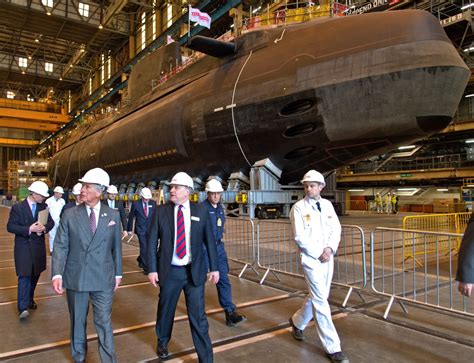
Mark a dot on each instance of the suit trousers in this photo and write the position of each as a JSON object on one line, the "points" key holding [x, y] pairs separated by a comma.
{"points": [[319, 277], [179, 278], [224, 288], [78, 302], [26, 290], [142, 240]]}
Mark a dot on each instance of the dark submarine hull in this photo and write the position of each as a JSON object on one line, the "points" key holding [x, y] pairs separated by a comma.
{"points": [[314, 95]]}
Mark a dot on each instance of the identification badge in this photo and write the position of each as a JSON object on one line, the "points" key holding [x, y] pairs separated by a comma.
{"points": [[219, 222], [307, 218], [197, 219]]}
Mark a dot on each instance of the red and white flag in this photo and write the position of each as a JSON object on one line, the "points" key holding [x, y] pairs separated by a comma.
{"points": [[201, 18]]}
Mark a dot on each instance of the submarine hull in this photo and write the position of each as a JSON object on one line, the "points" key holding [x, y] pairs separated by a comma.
{"points": [[314, 95]]}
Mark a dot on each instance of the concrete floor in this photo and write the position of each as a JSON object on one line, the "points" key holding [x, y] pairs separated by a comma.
{"points": [[422, 335]]}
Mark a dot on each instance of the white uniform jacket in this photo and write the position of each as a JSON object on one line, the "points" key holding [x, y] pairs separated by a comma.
{"points": [[55, 208], [314, 230]]}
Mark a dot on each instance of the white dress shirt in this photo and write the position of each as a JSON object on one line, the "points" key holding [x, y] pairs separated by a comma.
{"points": [[176, 261], [96, 209]]}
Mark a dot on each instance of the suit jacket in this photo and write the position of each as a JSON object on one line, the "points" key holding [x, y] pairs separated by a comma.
{"points": [[160, 254], [466, 255], [120, 208], [88, 262], [142, 223], [29, 250], [67, 206]]}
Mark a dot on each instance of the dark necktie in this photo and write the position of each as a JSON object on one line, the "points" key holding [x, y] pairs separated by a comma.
{"points": [[318, 205], [92, 222], [180, 234], [145, 209], [33, 209]]}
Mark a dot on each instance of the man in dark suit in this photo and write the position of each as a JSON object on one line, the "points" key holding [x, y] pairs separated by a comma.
{"points": [[87, 262], [142, 211], [76, 191], [178, 264], [465, 273], [29, 251], [117, 205]]}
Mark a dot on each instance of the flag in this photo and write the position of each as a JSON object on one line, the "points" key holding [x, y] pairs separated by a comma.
{"points": [[201, 18]]}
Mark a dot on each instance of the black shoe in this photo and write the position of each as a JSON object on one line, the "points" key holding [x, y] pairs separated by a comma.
{"points": [[338, 357], [234, 318], [22, 315], [162, 352], [140, 264], [32, 305], [297, 333]]}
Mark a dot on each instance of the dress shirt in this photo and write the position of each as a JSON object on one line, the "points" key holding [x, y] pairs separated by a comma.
{"points": [[187, 228], [111, 203]]}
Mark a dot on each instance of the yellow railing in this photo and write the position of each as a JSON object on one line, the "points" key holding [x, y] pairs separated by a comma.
{"points": [[429, 245]]}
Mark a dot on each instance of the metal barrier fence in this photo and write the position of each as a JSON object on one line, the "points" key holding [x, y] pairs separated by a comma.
{"points": [[432, 285], [429, 246], [239, 239], [278, 253]]}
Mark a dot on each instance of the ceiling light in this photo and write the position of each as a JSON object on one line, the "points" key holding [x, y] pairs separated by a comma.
{"points": [[442, 189], [469, 141], [469, 95], [255, 10], [407, 189], [60, 78], [467, 6], [356, 190], [101, 27], [48, 13], [408, 147], [70, 66], [29, 57], [22, 72]]}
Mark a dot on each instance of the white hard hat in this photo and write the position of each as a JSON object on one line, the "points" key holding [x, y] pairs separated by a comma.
{"points": [[96, 176], [40, 188], [112, 189], [182, 178], [146, 193], [59, 190], [214, 186], [76, 189], [313, 176]]}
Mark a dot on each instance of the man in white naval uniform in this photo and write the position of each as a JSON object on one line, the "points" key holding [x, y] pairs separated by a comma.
{"points": [[55, 205], [317, 233]]}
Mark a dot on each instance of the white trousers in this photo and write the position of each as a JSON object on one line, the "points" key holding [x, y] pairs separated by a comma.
{"points": [[52, 234], [318, 278]]}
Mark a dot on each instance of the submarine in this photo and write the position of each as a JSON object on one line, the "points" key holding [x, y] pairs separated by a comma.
{"points": [[315, 95]]}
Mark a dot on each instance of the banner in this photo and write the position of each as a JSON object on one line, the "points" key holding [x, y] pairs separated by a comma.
{"points": [[201, 18]]}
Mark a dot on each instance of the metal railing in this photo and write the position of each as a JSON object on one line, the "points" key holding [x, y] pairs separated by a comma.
{"points": [[278, 253], [240, 245], [431, 285], [429, 247]]}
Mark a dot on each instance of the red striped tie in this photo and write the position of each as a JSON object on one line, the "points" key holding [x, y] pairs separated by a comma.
{"points": [[180, 234]]}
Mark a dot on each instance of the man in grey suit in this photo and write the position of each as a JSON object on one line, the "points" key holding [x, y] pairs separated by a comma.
{"points": [[87, 262]]}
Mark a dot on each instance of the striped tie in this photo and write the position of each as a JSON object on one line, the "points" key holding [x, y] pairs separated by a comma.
{"points": [[180, 234], [92, 222]]}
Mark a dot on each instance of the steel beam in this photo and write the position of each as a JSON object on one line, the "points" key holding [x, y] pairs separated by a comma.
{"points": [[34, 115], [14, 123], [18, 142], [407, 175]]}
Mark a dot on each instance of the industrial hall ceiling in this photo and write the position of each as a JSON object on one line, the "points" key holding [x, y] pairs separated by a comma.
{"points": [[60, 41]]}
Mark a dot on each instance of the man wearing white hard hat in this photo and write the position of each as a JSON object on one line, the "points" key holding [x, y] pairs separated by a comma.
{"points": [[87, 262], [177, 264], [141, 212], [117, 205], [216, 214], [317, 233], [55, 205], [29, 251], [76, 192]]}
